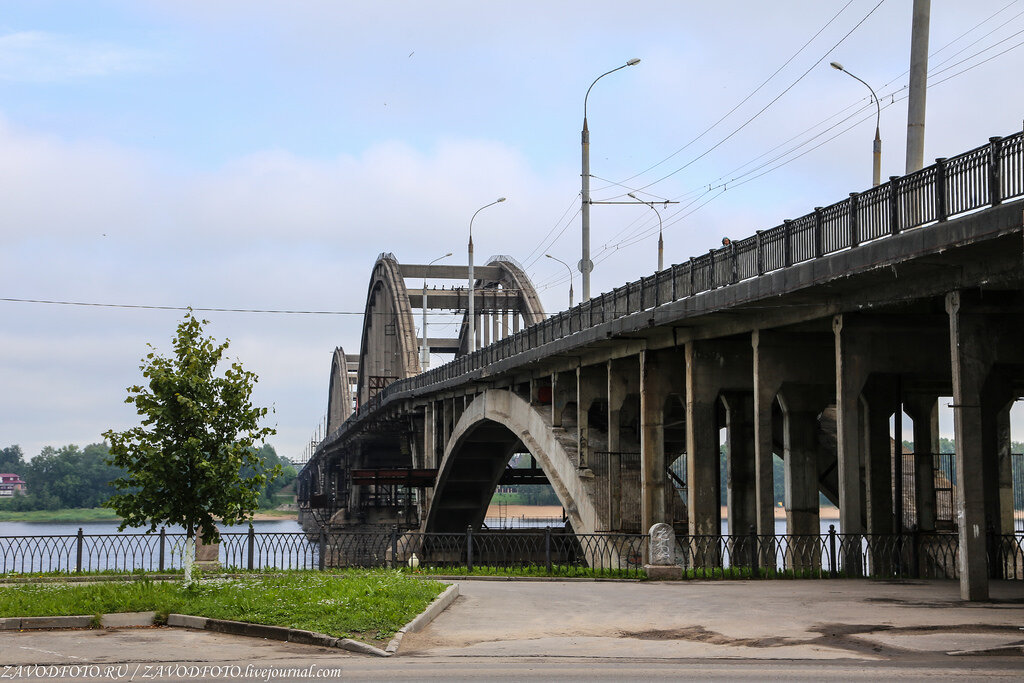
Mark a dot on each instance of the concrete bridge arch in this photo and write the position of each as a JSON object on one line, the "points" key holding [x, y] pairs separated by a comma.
{"points": [[496, 424]]}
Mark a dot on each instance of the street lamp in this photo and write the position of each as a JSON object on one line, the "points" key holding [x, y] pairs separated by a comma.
{"points": [[661, 243], [472, 316], [570, 274], [876, 175], [585, 264], [424, 349]]}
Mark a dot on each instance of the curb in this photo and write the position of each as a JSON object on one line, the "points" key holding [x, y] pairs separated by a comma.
{"points": [[282, 633], [115, 620], [491, 577], [420, 621]]}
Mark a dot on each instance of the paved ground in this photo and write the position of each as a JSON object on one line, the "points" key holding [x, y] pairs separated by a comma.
{"points": [[500, 630]]}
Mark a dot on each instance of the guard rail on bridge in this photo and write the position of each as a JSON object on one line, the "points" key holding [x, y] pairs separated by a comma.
{"points": [[982, 177]]}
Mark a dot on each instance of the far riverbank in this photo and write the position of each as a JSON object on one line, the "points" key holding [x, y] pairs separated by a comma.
{"points": [[81, 515]]}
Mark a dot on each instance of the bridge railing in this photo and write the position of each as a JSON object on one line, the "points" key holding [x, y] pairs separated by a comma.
{"points": [[982, 177]]}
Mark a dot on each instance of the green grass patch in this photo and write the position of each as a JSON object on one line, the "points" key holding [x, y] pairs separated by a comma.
{"points": [[66, 515], [369, 604]]}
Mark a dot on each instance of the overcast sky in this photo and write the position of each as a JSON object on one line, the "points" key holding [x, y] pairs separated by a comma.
{"points": [[262, 154]]}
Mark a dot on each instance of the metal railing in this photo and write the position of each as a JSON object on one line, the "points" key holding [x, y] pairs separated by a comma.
{"points": [[983, 177], [545, 551]]}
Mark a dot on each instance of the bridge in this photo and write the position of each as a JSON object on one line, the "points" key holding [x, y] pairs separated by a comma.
{"points": [[801, 341]]}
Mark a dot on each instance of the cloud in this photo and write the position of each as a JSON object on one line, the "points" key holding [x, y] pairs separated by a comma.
{"points": [[41, 57]]}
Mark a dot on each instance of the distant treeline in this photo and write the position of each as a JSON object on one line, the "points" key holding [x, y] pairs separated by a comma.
{"points": [[73, 477]]}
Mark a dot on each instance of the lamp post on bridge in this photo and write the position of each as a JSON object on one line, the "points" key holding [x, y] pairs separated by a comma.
{"points": [[570, 274], [661, 242], [586, 265], [876, 172], [424, 349], [471, 344]]}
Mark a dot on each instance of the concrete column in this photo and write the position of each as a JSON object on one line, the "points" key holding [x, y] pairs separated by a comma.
{"points": [[447, 407], [924, 411], [485, 319], [767, 382], [1004, 495], [739, 461], [430, 436], [652, 442], [563, 391], [851, 374], [880, 400], [619, 375], [495, 326], [972, 362], [702, 442], [590, 386]]}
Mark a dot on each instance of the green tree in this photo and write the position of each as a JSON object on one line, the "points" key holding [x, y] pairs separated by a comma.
{"points": [[184, 463], [12, 460]]}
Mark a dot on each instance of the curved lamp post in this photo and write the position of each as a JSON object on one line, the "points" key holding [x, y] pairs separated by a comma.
{"points": [[661, 242], [570, 274], [424, 349], [876, 174], [472, 284], [585, 264]]}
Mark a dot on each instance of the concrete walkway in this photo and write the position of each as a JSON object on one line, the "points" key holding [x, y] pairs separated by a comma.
{"points": [[748, 619]]}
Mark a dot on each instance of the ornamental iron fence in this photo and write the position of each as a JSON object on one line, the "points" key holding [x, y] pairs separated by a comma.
{"points": [[554, 551]]}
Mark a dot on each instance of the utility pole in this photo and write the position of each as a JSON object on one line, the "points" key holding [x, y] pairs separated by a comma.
{"points": [[918, 85]]}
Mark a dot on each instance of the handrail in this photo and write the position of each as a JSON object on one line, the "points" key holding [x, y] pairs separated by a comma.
{"points": [[984, 176]]}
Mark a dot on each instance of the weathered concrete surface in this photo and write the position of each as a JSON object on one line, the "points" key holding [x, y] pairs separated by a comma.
{"points": [[757, 619]]}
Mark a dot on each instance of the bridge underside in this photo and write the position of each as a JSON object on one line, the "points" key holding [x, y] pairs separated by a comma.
{"points": [[787, 346]]}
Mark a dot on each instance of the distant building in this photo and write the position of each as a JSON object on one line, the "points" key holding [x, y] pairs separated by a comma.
{"points": [[11, 484]]}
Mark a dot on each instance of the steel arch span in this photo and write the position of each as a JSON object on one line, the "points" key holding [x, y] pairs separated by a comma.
{"points": [[496, 424]]}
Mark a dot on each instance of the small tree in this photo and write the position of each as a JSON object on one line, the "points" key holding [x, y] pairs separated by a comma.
{"points": [[183, 465]]}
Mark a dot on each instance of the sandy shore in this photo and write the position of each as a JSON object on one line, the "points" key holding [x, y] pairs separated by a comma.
{"points": [[529, 511]]}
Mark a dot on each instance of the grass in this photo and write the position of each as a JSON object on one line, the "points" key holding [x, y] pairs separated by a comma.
{"points": [[368, 604], [66, 515]]}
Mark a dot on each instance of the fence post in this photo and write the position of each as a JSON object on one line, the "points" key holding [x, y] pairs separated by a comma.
{"points": [[854, 230], [693, 283], [711, 270], [894, 205], [753, 552], [320, 562], [760, 252], [163, 541], [735, 268], [394, 546], [469, 548], [547, 548], [832, 566], [787, 246], [78, 553], [915, 553], [940, 189], [819, 220], [995, 175], [252, 548]]}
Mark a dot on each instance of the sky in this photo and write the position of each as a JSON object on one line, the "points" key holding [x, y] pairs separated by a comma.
{"points": [[260, 155]]}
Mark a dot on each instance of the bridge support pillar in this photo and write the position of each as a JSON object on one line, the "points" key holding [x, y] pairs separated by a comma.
{"points": [[740, 461], [768, 375], [923, 409], [702, 442], [654, 389], [591, 385], [986, 358], [851, 375], [881, 399], [800, 408], [623, 379]]}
